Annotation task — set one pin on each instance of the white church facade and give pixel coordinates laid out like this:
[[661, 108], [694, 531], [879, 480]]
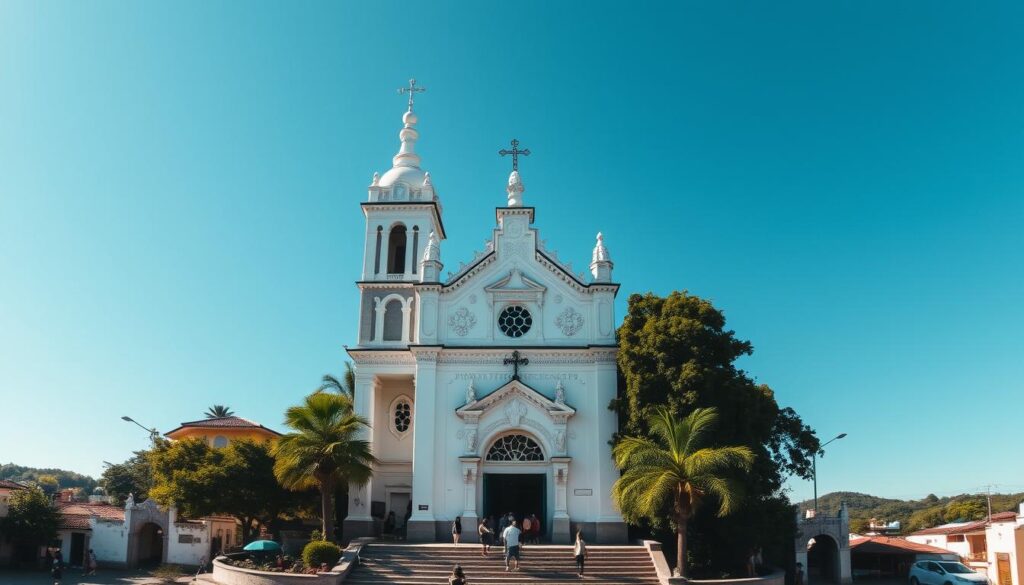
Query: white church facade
[[487, 391]]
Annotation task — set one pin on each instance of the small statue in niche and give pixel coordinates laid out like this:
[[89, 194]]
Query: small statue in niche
[[560, 441], [470, 393], [471, 441], [559, 393]]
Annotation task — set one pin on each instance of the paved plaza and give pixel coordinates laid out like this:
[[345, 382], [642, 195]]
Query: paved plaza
[[74, 577]]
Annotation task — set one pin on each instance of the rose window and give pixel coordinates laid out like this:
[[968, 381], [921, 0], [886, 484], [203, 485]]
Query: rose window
[[515, 321], [402, 416], [515, 448]]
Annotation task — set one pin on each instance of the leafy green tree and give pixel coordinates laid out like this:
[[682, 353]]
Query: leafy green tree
[[345, 385], [323, 450], [133, 476], [218, 411], [680, 468], [48, 483], [965, 510], [237, 481], [675, 351], [925, 518], [67, 479], [31, 518]]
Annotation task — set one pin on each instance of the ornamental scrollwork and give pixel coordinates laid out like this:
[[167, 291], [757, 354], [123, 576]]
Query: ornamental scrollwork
[[462, 321], [569, 321]]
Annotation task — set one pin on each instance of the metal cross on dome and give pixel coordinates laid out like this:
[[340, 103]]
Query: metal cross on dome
[[516, 361], [515, 152], [412, 90]]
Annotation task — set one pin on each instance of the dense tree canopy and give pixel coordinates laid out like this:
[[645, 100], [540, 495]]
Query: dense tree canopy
[[676, 351], [30, 475], [131, 477], [31, 518], [237, 480]]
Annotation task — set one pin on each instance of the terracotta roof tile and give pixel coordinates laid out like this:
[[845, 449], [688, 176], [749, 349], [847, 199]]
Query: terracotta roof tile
[[76, 522], [967, 527], [889, 545], [11, 485], [102, 511], [224, 422]]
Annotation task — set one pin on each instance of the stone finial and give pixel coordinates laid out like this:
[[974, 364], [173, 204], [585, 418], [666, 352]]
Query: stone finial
[[600, 252], [515, 190], [559, 393], [470, 393], [601, 263], [376, 180], [432, 252], [426, 180]]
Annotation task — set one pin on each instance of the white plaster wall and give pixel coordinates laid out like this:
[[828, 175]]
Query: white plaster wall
[[387, 447], [1006, 537], [109, 541], [188, 553]]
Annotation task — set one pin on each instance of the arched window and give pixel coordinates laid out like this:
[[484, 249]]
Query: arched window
[[393, 321], [515, 448], [396, 250], [220, 441], [376, 258]]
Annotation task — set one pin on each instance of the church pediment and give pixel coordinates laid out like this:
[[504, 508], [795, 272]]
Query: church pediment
[[513, 400], [516, 287]]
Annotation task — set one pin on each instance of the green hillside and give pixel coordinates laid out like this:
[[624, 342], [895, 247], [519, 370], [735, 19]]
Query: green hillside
[[913, 514], [65, 479]]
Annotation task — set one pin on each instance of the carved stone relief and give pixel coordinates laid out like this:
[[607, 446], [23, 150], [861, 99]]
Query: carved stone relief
[[569, 321], [461, 321]]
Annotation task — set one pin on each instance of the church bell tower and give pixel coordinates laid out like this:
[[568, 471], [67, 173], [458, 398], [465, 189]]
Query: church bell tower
[[403, 228]]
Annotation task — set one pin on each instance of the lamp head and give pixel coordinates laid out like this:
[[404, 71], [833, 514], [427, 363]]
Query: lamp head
[[127, 419], [840, 435]]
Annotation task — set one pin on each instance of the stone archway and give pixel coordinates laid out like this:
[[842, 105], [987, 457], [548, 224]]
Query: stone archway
[[149, 545], [823, 564]]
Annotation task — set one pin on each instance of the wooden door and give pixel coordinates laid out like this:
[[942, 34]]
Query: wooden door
[[1003, 569]]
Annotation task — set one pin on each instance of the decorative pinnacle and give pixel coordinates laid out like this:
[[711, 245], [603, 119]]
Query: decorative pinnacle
[[412, 90], [515, 152]]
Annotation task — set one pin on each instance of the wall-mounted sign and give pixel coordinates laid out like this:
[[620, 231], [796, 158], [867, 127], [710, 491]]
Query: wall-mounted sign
[[579, 492], [424, 507]]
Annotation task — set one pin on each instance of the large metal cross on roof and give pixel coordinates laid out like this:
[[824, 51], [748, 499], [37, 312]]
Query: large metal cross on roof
[[515, 152], [412, 90]]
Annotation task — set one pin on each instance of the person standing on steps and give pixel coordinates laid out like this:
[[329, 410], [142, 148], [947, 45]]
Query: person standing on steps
[[511, 537], [502, 525], [457, 530], [579, 550], [486, 537], [458, 576]]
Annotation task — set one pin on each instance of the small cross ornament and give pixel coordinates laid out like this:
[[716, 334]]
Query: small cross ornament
[[412, 90], [515, 152]]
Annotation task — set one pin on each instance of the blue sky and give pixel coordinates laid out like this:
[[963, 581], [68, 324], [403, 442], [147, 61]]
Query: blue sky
[[179, 189]]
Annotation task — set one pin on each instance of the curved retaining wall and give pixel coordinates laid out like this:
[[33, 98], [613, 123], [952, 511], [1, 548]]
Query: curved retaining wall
[[665, 574], [225, 574]]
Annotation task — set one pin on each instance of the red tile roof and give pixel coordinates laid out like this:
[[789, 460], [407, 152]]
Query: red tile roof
[[224, 422], [889, 545], [78, 513], [11, 485], [967, 527]]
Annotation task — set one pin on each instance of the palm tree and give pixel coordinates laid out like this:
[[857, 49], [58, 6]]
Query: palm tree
[[346, 385], [676, 466], [218, 411], [323, 450]]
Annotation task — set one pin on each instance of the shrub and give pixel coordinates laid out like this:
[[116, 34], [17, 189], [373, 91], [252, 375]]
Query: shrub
[[320, 551]]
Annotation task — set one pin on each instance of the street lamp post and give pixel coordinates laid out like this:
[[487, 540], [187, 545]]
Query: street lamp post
[[814, 466], [153, 433]]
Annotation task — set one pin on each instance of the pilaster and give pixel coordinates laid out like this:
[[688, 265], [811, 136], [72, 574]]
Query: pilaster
[[359, 522], [470, 478], [560, 526], [421, 524]]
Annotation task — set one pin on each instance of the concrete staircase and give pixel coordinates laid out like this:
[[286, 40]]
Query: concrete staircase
[[422, 564]]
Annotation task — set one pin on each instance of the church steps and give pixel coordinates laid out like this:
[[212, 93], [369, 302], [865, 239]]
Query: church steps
[[432, 564]]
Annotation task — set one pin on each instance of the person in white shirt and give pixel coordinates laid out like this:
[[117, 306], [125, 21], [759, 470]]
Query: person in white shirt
[[511, 536], [580, 551]]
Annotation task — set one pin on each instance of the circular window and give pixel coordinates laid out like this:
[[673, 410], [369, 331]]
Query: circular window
[[515, 321], [403, 416]]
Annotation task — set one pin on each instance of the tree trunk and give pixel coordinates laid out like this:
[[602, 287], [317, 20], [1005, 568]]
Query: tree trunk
[[327, 508], [681, 545]]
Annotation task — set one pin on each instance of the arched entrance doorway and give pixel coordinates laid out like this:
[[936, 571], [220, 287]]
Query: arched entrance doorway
[[515, 479], [149, 545], [823, 560]]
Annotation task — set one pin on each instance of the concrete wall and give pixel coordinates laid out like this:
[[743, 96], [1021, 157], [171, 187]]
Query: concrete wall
[[1006, 538], [109, 541], [192, 552]]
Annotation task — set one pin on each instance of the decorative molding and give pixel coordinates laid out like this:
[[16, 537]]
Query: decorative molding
[[461, 321], [570, 321]]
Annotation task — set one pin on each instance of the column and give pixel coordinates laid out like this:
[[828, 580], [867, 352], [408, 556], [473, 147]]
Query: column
[[409, 259], [610, 527], [421, 524], [560, 524], [470, 479], [359, 522]]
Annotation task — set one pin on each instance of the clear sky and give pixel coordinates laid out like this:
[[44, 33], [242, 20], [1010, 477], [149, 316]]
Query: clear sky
[[179, 190]]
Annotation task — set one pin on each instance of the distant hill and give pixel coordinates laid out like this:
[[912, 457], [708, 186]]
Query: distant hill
[[65, 479], [912, 515]]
